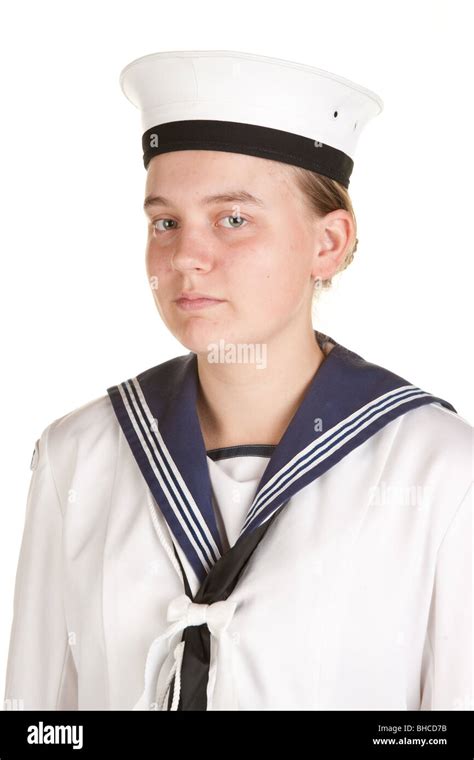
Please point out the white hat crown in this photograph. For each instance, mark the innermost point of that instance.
(248, 103)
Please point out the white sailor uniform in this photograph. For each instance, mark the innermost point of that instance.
(348, 585)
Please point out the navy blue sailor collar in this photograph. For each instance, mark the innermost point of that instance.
(348, 400)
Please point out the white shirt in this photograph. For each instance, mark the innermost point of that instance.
(357, 594)
(235, 475)
(358, 597)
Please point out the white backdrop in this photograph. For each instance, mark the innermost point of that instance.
(76, 309)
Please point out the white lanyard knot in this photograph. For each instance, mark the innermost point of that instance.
(186, 612)
(181, 613)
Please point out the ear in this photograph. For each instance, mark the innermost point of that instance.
(334, 236)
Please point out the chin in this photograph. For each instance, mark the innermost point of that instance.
(197, 333)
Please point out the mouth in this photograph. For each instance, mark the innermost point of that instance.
(194, 304)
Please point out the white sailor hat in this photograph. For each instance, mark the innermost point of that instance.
(244, 103)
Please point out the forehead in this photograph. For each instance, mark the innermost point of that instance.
(207, 171)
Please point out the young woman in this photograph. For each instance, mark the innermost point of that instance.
(268, 521)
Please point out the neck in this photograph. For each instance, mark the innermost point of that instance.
(240, 403)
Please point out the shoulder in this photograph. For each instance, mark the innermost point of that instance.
(87, 419)
(438, 429)
(93, 427)
(436, 446)
(81, 430)
(426, 461)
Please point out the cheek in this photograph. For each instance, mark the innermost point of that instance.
(273, 275)
(150, 259)
(157, 264)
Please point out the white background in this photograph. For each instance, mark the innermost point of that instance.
(77, 314)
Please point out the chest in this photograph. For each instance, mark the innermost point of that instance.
(337, 591)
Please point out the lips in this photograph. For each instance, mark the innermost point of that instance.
(197, 302)
(195, 296)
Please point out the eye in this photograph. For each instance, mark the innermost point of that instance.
(236, 219)
(153, 224)
(241, 222)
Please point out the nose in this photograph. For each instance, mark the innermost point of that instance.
(193, 251)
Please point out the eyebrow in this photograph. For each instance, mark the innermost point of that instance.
(241, 196)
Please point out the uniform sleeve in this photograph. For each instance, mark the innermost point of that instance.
(447, 675)
(40, 674)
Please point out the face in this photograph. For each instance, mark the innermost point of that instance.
(255, 254)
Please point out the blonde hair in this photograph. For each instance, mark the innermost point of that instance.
(322, 196)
